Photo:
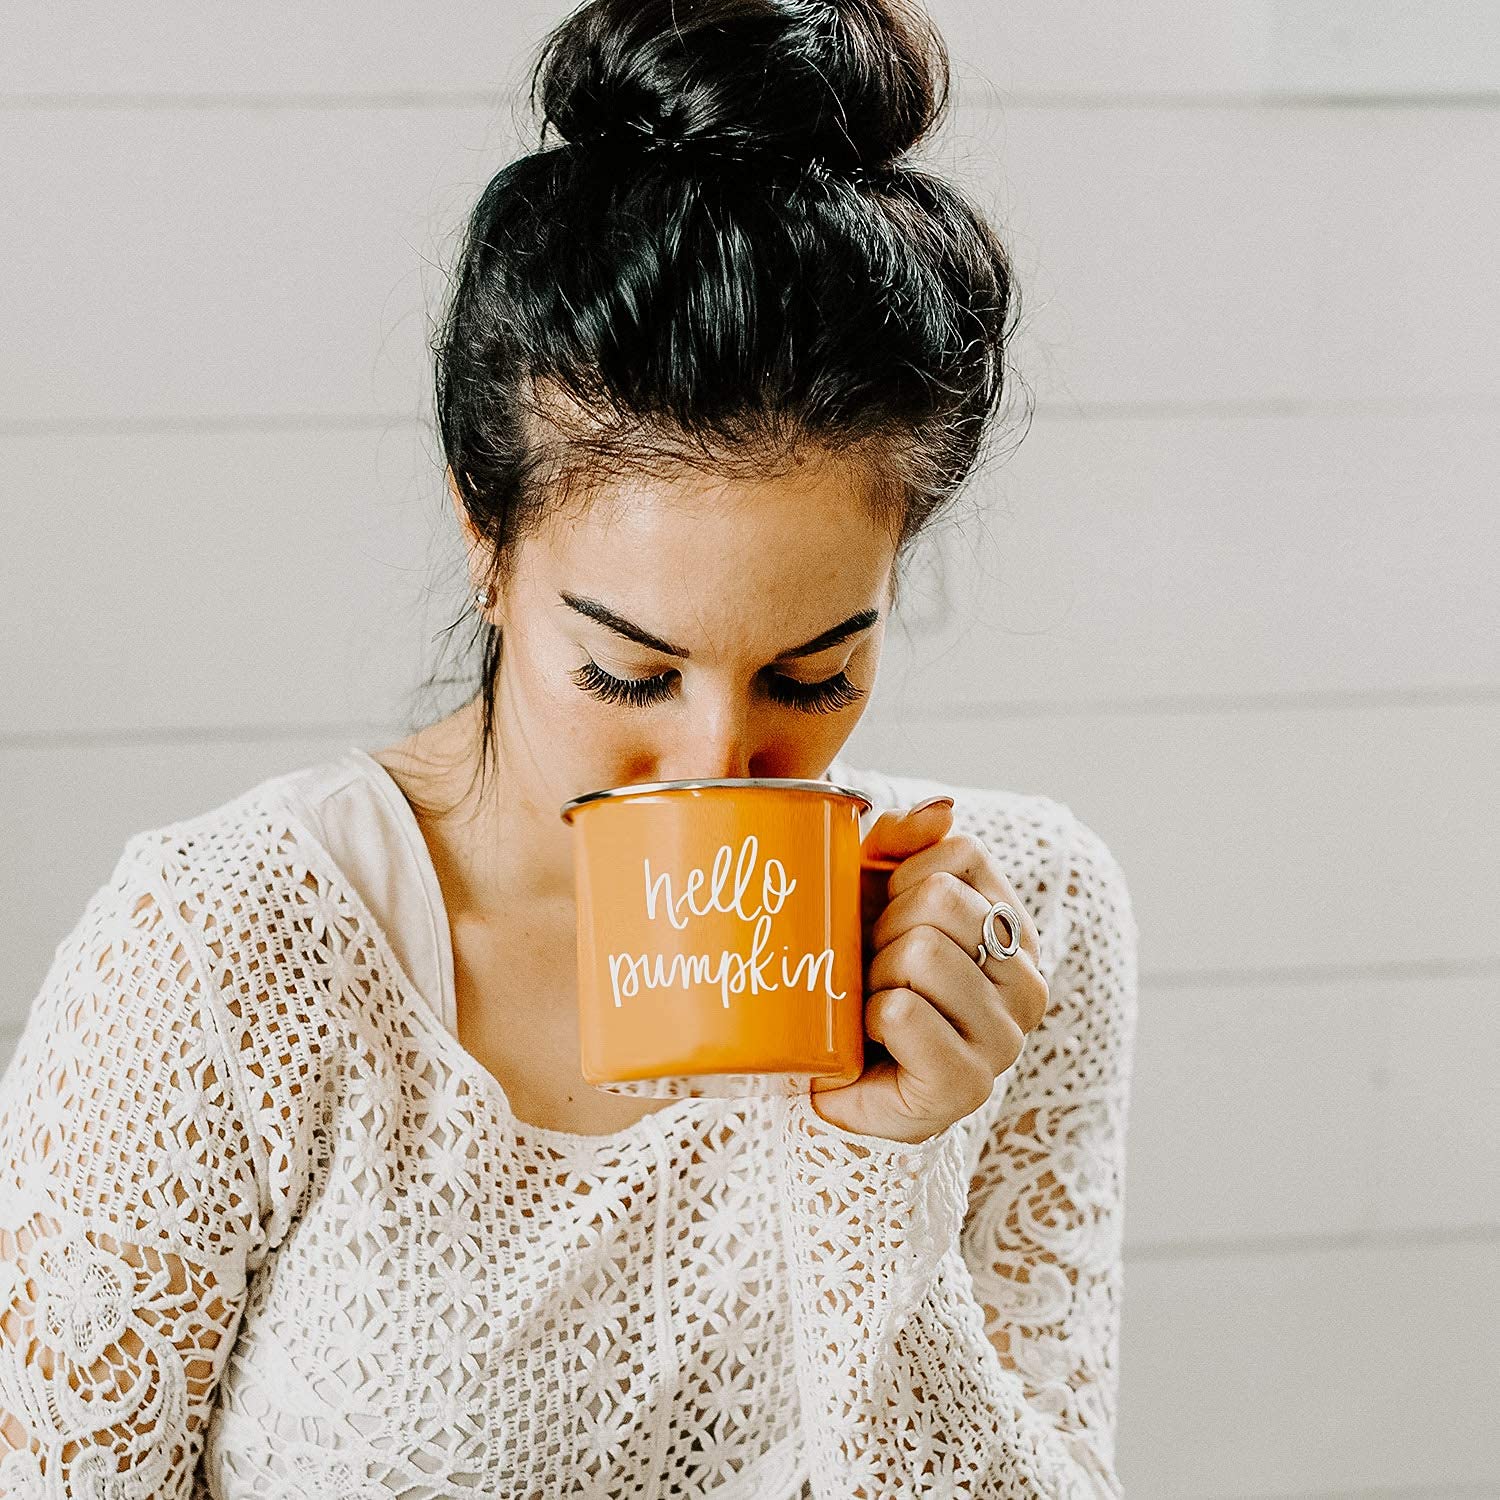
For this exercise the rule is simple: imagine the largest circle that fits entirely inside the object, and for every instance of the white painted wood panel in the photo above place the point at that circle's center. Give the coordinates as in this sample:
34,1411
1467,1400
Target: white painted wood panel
185,265
1437,1150
1353,1370
1262,842
1211,559
1351,1105
1207,49
1029,48
172,48
300,577
198,581
1383,48
180,265
1270,258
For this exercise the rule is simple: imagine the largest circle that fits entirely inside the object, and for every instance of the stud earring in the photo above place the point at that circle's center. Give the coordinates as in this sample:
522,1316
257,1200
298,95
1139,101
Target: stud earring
484,597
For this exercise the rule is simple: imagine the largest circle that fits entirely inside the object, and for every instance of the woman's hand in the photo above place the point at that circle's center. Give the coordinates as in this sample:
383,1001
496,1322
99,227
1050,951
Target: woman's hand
947,1027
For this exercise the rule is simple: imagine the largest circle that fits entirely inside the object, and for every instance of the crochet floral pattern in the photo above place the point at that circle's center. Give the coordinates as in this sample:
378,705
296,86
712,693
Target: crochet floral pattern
266,1229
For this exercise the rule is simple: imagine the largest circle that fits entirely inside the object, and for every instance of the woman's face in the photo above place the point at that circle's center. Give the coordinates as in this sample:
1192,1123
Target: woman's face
706,628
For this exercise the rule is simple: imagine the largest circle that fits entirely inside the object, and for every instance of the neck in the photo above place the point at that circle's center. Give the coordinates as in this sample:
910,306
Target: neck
497,846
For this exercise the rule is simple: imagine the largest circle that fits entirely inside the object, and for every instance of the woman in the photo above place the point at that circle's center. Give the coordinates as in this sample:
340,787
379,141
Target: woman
304,1192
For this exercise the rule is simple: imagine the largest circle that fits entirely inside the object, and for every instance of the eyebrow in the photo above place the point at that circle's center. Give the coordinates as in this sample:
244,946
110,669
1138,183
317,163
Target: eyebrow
604,615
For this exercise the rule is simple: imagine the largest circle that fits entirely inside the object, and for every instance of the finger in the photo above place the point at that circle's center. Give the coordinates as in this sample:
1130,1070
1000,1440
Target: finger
934,1064
955,908
897,833
988,1016
968,858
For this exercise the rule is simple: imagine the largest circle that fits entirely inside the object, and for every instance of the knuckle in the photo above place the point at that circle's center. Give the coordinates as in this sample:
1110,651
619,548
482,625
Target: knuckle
1026,999
952,895
972,849
935,944
922,945
904,1005
980,1084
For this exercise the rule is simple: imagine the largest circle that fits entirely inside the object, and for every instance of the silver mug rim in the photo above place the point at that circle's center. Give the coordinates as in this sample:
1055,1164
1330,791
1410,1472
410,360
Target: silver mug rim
781,783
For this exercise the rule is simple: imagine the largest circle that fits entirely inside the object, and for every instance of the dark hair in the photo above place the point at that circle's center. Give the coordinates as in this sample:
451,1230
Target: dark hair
722,262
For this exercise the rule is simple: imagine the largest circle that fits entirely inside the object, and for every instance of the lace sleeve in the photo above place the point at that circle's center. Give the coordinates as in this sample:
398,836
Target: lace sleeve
1044,1232
129,1211
956,1332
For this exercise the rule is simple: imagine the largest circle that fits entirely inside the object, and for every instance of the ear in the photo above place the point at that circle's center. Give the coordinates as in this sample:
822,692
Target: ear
470,534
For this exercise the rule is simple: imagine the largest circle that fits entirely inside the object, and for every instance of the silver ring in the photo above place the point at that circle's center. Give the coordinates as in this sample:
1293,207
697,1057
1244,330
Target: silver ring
992,947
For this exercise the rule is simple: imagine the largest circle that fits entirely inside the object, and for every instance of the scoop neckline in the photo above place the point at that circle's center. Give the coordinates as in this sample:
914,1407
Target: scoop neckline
420,855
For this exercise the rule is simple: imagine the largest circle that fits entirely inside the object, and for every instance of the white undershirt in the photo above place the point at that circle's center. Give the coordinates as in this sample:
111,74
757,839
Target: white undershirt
363,819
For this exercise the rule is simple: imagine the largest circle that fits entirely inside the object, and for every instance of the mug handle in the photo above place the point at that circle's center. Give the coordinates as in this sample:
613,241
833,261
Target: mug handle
874,892
874,887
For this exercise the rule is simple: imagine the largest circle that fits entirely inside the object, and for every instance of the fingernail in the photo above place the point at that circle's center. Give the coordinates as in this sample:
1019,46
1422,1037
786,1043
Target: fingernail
932,802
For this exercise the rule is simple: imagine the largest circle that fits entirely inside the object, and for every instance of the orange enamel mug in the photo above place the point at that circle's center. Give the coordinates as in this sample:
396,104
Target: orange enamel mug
720,935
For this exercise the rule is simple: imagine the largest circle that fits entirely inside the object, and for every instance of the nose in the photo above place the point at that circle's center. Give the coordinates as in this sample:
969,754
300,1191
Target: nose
715,763
723,748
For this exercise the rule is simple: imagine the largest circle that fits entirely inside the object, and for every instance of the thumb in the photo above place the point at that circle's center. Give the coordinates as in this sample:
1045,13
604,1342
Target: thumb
894,835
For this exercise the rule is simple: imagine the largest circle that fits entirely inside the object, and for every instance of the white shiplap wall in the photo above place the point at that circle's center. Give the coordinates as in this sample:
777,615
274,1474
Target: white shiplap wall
1232,598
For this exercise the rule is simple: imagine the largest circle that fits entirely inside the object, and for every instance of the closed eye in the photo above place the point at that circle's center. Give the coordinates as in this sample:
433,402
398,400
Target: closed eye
830,695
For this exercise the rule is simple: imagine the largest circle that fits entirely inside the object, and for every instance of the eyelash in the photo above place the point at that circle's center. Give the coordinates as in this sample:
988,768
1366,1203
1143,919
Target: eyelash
832,694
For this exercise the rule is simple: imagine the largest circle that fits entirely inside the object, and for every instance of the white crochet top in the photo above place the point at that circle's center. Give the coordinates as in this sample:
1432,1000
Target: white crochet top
267,1229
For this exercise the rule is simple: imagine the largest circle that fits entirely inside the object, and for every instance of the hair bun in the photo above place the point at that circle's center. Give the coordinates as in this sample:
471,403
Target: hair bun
855,83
